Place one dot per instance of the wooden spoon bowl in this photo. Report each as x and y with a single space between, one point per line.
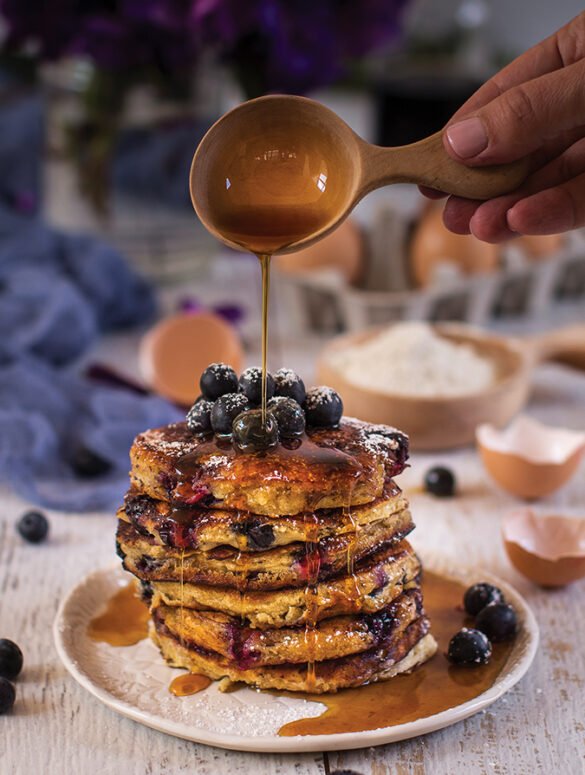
277 173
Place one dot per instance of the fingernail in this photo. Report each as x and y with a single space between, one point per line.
467 138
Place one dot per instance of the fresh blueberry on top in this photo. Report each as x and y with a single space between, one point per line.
479 595
251 433
440 481
288 384
498 621
251 384
33 527
88 464
289 416
217 380
7 695
323 407
10 659
225 410
469 647
199 416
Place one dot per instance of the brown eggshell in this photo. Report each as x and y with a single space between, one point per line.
434 245
516 458
548 550
176 350
343 250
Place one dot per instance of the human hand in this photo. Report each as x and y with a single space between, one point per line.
534 107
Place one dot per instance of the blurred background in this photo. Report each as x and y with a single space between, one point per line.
102 105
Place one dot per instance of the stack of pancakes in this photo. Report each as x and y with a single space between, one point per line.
286 569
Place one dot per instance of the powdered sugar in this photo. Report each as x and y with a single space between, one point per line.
411 359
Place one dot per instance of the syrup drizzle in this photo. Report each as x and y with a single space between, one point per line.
431 688
313 564
188 684
264 259
124 622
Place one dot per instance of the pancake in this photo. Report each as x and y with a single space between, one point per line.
373 586
332 638
206 529
401 652
329 468
283 566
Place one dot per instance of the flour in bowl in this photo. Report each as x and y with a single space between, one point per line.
411 359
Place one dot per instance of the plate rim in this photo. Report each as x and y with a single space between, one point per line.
310 743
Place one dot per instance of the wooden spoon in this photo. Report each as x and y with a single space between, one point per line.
277 173
443 423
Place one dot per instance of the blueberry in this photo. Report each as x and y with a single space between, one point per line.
252 434
479 595
88 464
10 659
225 410
217 380
33 527
498 621
469 647
251 384
199 416
440 481
289 385
7 696
289 416
260 535
323 407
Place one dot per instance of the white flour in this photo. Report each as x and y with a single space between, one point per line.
411 359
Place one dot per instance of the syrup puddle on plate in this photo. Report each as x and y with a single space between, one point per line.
125 620
188 684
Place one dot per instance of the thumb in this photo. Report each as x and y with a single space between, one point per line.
521 119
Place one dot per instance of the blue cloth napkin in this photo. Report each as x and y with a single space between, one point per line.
58 292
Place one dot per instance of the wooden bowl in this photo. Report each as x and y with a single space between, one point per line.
439 422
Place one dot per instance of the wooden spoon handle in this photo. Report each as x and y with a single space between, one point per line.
427 163
565 345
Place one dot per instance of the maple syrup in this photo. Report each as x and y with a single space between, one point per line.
188 684
125 620
431 688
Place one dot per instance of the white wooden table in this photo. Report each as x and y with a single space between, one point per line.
56 728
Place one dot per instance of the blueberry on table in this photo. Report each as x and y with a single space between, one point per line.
479 595
199 416
498 621
7 696
251 384
323 407
225 410
250 432
10 659
288 384
289 416
33 527
469 647
440 481
217 380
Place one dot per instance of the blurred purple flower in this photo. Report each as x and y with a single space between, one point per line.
274 45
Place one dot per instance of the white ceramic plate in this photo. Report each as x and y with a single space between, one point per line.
134 681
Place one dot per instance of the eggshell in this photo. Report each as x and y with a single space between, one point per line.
434 248
176 350
529 459
549 550
342 250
